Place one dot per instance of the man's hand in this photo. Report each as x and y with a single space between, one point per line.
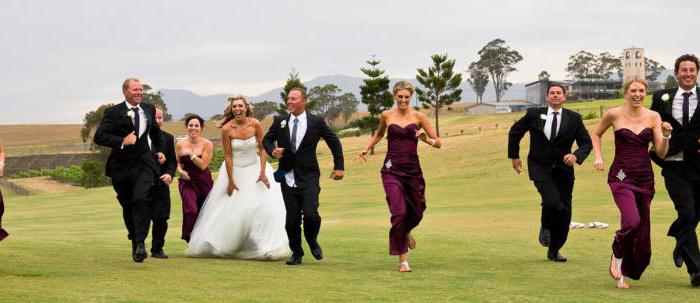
337 175
570 160
161 158
130 139
277 152
517 166
166 178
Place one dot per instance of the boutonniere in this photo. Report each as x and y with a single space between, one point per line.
665 97
543 117
283 123
130 113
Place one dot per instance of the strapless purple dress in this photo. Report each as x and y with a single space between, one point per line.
193 192
631 180
404 186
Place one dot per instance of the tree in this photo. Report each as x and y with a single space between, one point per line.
264 109
348 105
374 92
653 69
292 82
582 65
498 60
478 80
94 168
155 99
184 117
671 82
544 75
326 100
441 86
607 64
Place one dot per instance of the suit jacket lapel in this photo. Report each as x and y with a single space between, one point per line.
696 113
543 111
309 120
285 131
668 105
565 121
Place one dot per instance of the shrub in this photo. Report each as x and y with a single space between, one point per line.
590 115
93 175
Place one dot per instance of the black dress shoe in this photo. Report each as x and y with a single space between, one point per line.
544 237
294 260
555 256
695 279
159 254
317 253
140 253
677 259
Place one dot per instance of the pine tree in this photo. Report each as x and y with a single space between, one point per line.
441 86
292 82
375 94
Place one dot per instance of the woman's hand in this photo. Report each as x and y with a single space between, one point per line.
599 165
362 155
666 129
231 187
263 178
421 135
186 152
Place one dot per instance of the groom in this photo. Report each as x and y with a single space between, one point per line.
130 129
297 135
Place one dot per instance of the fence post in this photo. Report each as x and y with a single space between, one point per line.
601 111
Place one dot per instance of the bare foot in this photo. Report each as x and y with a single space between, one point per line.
614 273
411 242
403 267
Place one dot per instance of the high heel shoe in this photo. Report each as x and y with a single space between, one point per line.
621 284
403 267
613 270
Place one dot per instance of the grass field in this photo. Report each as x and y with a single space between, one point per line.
477 242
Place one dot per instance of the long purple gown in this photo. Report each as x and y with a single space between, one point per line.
193 192
631 180
403 184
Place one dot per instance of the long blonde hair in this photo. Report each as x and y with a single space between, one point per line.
228 112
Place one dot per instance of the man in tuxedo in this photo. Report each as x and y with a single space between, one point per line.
550 162
297 135
681 167
130 130
160 210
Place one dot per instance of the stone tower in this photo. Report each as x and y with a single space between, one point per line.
633 64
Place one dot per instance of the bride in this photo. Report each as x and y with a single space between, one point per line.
244 215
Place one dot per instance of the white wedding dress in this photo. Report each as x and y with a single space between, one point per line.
249 224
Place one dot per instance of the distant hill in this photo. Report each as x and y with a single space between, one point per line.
180 101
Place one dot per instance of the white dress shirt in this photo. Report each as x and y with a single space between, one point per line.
677 112
548 123
301 131
143 120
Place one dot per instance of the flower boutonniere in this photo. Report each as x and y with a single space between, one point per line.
130 113
283 123
543 117
665 97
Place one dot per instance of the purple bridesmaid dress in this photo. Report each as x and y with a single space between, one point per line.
403 184
3 232
193 192
631 180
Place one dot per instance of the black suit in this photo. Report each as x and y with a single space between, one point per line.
302 199
682 178
554 179
160 210
133 168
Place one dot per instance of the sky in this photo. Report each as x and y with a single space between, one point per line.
61 59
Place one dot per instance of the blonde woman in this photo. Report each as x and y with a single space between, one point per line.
631 178
244 215
401 174
3 232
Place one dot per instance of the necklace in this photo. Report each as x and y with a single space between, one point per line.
240 125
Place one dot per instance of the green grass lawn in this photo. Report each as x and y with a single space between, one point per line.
477 242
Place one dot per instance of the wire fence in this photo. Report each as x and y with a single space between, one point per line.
14 187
